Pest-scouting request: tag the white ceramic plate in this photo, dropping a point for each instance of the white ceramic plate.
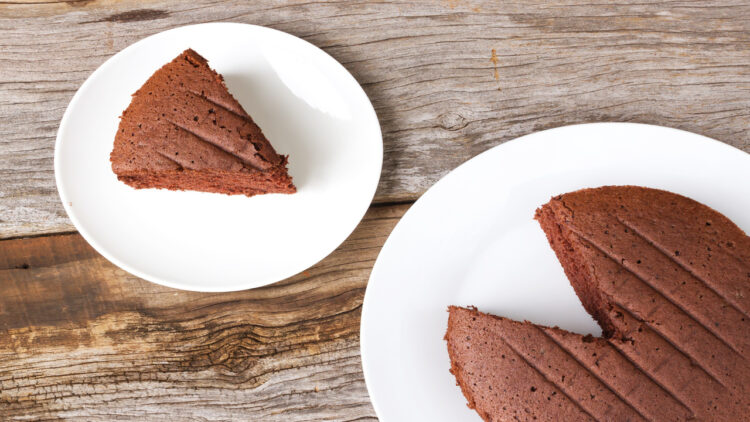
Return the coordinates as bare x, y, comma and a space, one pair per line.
308, 106
471, 240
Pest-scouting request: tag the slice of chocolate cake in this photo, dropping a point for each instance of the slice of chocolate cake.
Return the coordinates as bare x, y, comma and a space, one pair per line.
183, 130
511, 371
667, 278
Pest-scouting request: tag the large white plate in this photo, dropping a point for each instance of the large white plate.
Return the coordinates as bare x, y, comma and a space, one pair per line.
308, 106
471, 240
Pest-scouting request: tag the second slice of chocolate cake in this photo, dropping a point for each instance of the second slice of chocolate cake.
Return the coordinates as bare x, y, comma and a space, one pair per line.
183, 130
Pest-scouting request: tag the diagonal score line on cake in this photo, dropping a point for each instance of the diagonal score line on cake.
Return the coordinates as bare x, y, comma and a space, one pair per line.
208, 141
244, 116
539, 371
662, 294
168, 157
221, 105
593, 374
649, 376
663, 336
684, 267
658, 332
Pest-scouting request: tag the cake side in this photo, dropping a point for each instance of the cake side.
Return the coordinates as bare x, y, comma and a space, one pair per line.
579, 272
274, 180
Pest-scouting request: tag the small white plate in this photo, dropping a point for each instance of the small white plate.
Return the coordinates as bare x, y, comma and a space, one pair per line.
308, 106
472, 240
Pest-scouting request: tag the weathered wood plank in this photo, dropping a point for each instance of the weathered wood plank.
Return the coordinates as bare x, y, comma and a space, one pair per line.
441, 93
82, 339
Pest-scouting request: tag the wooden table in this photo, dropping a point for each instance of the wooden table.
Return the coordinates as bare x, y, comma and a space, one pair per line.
82, 339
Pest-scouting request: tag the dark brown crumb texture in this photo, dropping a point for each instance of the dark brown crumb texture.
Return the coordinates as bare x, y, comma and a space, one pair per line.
183, 130
667, 279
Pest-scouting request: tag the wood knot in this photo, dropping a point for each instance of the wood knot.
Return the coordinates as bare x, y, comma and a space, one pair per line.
138, 15
452, 121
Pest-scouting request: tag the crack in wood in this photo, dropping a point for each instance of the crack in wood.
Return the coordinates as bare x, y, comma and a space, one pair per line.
82, 338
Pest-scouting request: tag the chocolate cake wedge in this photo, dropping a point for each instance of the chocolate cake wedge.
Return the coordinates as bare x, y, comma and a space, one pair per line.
668, 280
183, 130
511, 371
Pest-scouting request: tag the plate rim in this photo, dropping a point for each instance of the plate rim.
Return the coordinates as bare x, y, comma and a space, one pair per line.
208, 287
416, 206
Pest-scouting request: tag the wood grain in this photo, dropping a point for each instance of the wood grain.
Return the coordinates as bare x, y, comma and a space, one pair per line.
440, 92
81, 339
